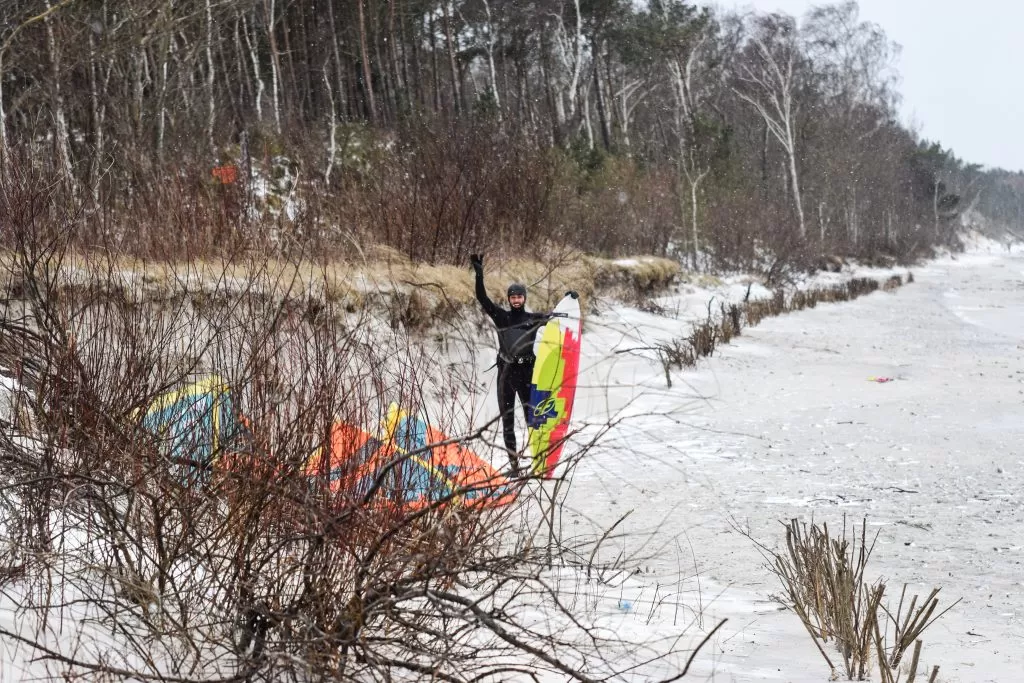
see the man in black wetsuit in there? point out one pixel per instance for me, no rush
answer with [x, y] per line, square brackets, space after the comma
[517, 329]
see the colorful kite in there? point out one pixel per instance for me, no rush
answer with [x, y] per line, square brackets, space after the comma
[194, 426]
[412, 462]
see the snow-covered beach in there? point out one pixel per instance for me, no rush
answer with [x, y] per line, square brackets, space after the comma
[790, 421]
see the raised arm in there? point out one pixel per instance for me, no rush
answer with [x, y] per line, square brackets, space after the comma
[489, 307]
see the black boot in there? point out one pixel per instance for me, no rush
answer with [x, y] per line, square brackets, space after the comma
[513, 461]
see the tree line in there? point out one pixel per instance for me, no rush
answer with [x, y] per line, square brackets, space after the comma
[440, 126]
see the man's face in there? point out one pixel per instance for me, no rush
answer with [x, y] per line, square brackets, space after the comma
[516, 300]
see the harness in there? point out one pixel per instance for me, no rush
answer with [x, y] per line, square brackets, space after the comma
[517, 360]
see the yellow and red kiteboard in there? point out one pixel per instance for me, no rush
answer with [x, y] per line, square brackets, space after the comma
[553, 390]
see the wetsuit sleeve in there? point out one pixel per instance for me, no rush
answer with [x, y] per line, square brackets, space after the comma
[485, 301]
[541, 318]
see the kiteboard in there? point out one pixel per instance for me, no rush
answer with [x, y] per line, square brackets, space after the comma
[557, 349]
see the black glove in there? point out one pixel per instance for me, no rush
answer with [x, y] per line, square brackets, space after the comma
[573, 293]
[477, 261]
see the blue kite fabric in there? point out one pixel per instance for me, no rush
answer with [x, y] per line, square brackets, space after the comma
[193, 427]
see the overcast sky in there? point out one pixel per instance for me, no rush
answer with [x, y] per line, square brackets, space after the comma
[961, 69]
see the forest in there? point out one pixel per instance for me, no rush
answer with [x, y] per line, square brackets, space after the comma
[436, 128]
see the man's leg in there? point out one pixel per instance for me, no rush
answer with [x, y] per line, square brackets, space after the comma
[524, 378]
[507, 406]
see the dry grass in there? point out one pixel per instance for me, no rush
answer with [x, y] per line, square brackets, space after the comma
[415, 295]
[859, 286]
[756, 311]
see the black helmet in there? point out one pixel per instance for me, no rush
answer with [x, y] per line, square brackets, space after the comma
[516, 288]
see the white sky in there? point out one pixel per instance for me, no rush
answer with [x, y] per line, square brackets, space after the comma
[961, 68]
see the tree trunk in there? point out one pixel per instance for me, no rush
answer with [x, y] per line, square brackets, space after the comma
[364, 53]
[606, 137]
[211, 104]
[449, 39]
[4, 145]
[254, 56]
[694, 182]
[387, 91]
[332, 138]
[400, 87]
[295, 100]
[244, 80]
[62, 136]
[434, 70]
[553, 99]
[411, 81]
[275, 62]
[795, 186]
[336, 53]
[97, 115]
[310, 94]
[588, 125]
[138, 89]
[490, 60]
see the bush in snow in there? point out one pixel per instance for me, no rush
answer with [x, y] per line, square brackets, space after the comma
[824, 579]
[214, 549]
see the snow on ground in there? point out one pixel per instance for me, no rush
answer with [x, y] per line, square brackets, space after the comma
[786, 423]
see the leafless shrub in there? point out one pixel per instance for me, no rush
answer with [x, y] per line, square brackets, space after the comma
[222, 548]
[859, 286]
[675, 354]
[755, 312]
[703, 338]
[892, 283]
[910, 277]
[778, 302]
[735, 317]
[758, 310]
[411, 310]
[728, 323]
[824, 581]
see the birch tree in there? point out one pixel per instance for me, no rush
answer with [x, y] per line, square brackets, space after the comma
[690, 55]
[252, 44]
[270, 11]
[688, 38]
[569, 47]
[766, 79]
[62, 136]
[211, 102]
[852, 62]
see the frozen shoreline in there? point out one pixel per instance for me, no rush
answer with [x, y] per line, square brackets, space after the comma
[789, 425]
[784, 423]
